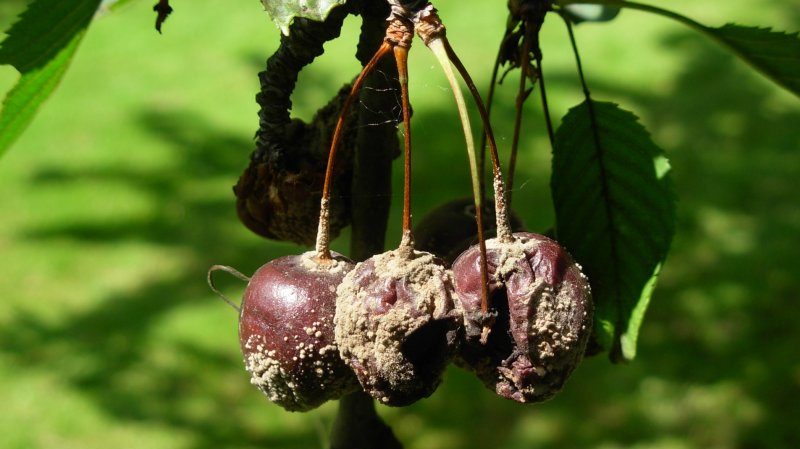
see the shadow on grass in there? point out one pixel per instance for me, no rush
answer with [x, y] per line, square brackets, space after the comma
[109, 352]
[718, 362]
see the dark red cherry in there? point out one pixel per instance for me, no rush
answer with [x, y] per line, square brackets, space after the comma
[396, 324]
[286, 331]
[542, 309]
[450, 229]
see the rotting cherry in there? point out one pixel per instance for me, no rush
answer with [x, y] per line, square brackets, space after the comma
[541, 316]
[527, 306]
[286, 320]
[286, 331]
[396, 324]
[278, 194]
[396, 321]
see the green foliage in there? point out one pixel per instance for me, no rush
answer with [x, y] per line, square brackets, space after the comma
[615, 213]
[283, 12]
[775, 54]
[40, 46]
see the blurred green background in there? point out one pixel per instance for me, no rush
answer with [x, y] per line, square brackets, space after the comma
[118, 197]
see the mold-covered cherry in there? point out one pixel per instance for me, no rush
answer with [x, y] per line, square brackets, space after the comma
[278, 194]
[286, 331]
[450, 229]
[396, 324]
[542, 310]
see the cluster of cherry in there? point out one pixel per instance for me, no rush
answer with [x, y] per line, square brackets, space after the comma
[515, 309]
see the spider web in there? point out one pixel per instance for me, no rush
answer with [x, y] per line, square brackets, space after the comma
[393, 115]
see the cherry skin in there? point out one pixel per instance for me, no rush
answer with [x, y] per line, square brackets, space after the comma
[396, 324]
[286, 331]
[542, 308]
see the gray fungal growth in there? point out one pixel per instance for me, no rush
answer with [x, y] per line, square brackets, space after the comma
[396, 324]
[542, 316]
[286, 331]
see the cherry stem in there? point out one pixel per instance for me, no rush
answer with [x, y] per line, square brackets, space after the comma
[520, 101]
[501, 208]
[323, 231]
[401, 57]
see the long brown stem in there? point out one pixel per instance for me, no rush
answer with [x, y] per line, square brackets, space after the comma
[401, 57]
[520, 101]
[323, 232]
[501, 208]
[357, 425]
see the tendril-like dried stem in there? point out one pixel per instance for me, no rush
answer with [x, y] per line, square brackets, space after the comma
[233, 272]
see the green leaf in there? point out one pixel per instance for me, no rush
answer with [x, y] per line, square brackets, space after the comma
[775, 54]
[283, 12]
[615, 212]
[40, 45]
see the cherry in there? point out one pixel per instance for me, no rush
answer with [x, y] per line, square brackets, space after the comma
[526, 305]
[540, 319]
[278, 194]
[396, 324]
[450, 229]
[286, 322]
[286, 331]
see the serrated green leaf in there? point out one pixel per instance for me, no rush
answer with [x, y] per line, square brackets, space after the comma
[775, 54]
[615, 212]
[40, 45]
[283, 12]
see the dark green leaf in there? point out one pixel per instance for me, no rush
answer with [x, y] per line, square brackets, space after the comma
[775, 54]
[615, 212]
[40, 45]
[283, 12]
